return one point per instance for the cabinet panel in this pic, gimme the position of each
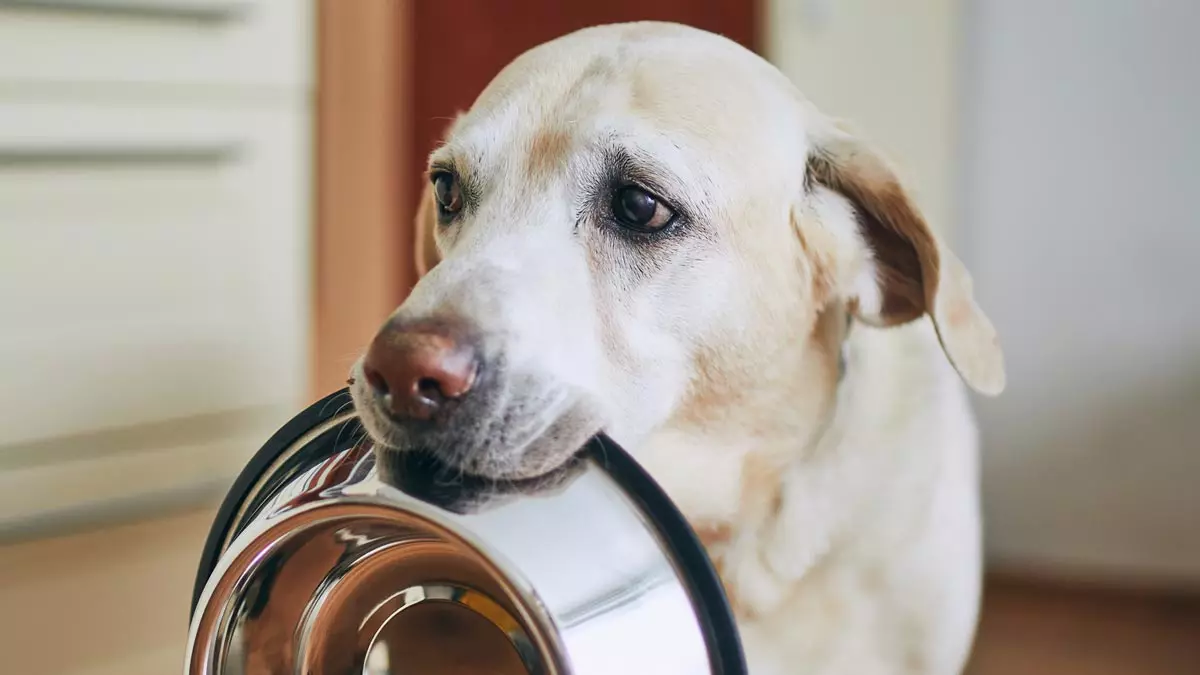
(154, 286)
(175, 42)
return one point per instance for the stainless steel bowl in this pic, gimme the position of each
(323, 560)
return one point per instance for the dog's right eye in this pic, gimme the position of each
(638, 210)
(447, 192)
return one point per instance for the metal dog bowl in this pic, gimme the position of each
(322, 562)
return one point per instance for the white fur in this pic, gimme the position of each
(873, 564)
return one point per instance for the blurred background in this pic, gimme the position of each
(205, 213)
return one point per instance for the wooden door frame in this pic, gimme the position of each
(362, 247)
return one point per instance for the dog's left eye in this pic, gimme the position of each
(638, 210)
(447, 192)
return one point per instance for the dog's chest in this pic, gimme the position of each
(702, 475)
(865, 561)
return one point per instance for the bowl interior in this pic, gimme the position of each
(344, 589)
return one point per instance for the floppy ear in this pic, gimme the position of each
(425, 248)
(915, 273)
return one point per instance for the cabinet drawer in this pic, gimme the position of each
(153, 265)
(176, 42)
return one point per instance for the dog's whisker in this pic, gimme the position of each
(340, 410)
(325, 408)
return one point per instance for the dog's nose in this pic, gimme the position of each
(416, 368)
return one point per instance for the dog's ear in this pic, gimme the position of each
(425, 248)
(914, 273)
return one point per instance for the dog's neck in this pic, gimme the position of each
(722, 459)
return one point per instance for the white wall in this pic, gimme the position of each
(1057, 144)
(1081, 164)
(889, 68)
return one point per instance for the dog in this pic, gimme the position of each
(645, 229)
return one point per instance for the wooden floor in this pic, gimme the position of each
(1031, 629)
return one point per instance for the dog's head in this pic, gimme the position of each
(633, 220)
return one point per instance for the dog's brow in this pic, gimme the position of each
(463, 164)
(447, 161)
(652, 159)
(671, 180)
(449, 155)
(453, 156)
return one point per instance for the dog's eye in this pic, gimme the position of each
(639, 210)
(447, 192)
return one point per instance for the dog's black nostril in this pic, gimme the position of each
(429, 389)
(376, 380)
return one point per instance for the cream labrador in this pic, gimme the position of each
(646, 229)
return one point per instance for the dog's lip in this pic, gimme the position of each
(390, 428)
(427, 477)
(425, 465)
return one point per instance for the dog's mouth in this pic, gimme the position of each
(495, 452)
(427, 476)
(507, 439)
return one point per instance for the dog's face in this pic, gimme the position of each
(637, 226)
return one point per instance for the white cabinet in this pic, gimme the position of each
(154, 248)
(181, 44)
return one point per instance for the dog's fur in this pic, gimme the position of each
(782, 359)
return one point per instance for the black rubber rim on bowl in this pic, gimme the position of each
(720, 630)
(716, 618)
(253, 473)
